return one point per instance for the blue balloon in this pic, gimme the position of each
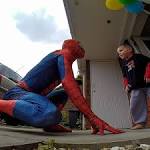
(136, 7)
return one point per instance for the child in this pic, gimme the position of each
(136, 79)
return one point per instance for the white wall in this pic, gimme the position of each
(108, 99)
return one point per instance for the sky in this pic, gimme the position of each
(29, 30)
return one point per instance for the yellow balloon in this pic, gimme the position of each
(114, 5)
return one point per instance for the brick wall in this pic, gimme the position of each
(148, 121)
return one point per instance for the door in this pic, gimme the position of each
(108, 99)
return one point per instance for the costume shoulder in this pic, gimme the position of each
(58, 52)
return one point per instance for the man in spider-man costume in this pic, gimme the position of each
(29, 103)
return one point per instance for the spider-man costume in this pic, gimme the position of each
(29, 103)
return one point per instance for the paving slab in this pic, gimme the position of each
(17, 136)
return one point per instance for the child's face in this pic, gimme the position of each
(124, 52)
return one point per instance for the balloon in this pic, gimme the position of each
(146, 1)
(114, 5)
(127, 2)
(135, 7)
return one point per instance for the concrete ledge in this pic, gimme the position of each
(98, 146)
(20, 138)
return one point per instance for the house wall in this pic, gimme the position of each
(108, 99)
(148, 120)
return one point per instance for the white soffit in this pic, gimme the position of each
(100, 30)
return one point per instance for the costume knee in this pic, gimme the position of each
(33, 109)
(37, 115)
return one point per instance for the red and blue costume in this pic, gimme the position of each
(28, 101)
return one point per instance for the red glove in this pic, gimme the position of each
(147, 72)
(99, 126)
(125, 82)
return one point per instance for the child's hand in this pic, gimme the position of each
(147, 80)
(127, 88)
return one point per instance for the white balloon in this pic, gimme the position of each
(146, 1)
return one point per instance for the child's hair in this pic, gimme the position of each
(127, 45)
